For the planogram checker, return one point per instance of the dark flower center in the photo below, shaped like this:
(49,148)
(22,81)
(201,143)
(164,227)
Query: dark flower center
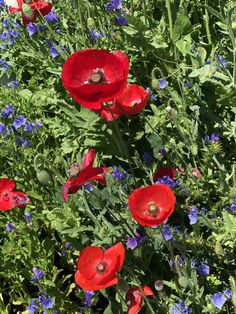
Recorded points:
(97,77)
(101,268)
(74,169)
(152,209)
(5,193)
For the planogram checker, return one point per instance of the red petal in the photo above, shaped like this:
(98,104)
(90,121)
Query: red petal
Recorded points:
(20,199)
(89,158)
(160,194)
(164,171)
(106,115)
(88,260)
(115,256)
(13,10)
(148,291)
(132,100)
(6,202)
(6,184)
(135,297)
(41,8)
(93,284)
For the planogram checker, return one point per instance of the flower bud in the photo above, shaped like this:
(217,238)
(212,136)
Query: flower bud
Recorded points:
(183,282)
(90,22)
(43,177)
(158,285)
(154,83)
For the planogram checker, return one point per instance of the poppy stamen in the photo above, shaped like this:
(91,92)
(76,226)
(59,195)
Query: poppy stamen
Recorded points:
(152,209)
(101,268)
(74,169)
(97,77)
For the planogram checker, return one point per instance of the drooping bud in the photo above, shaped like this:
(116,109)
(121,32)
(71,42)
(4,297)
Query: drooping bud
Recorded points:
(90,22)
(43,177)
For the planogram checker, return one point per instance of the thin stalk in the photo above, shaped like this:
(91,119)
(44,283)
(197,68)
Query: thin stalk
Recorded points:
(168,7)
(207,23)
(89,212)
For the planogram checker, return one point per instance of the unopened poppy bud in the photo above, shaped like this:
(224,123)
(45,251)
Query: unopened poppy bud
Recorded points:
(159,285)
(27,11)
(154,83)
(122,285)
(90,22)
(183,282)
(43,177)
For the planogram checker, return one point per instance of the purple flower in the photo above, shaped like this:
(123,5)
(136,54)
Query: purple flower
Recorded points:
(193,216)
(32,28)
(147,158)
(113,5)
(203,211)
(118,175)
(94,35)
(19,122)
(2,127)
(213,139)
(10,227)
(25,142)
(232,207)
(203,269)
(38,275)
(88,298)
(5,23)
(29,127)
(54,52)
(67,245)
(166,233)
(121,21)
(33,307)
(218,300)
(162,151)
(181,308)
(52,17)
(228,293)
(186,85)
(139,238)
(162,83)
(15,84)
(88,188)
(8,111)
(27,217)
(168,181)
(221,61)
(47,302)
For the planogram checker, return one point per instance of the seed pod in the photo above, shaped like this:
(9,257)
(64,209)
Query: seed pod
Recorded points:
(159,285)
(43,177)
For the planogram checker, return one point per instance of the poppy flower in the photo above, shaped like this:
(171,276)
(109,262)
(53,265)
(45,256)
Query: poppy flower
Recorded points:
(81,175)
(164,171)
(135,296)
(9,198)
(133,100)
(109,114)
(93,76)
(152,205)
(97,269)
(31,9)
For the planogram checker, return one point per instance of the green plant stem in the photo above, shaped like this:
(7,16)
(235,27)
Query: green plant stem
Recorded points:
(207,24)
(168,7)
(89,212)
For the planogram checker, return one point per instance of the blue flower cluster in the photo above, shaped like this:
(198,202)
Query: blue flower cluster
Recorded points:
(139,238)
(181,308)
(168,181)
(17,126)
(114,5)
(219,299)
(118,175)
(213,139)
(201,268)
(43,301)
(9,35)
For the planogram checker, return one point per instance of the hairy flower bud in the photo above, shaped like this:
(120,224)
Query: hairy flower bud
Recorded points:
(43,177)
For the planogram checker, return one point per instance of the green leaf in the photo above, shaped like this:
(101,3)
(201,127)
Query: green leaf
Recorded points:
(182,27)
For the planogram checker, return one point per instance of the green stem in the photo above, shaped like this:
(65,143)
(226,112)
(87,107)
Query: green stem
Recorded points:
(207,23)
(168,6)
(89,212)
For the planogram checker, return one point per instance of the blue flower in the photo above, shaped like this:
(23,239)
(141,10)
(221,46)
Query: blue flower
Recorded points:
(38,275)
(232,207)
(162,151)
(181,308)
(94,35)
(118,175)
(38,125)
(33,307)
(52,17)
(67,245)
(162,84)
(5,23)
(10,227)
(25,142)
(47,302)
(2,128)
(27,217)
(147,158)
(221,61)
(186,85)
(121,20)
(19,122)
(228,293)
(166,233)
(139,238)
(15,84)
(113,5)
(218,300)
(203,269)
(32,28)
(213,139)
(193,215)
(168,181)
(88,188)
(54,52)
(88,298)
(29,127)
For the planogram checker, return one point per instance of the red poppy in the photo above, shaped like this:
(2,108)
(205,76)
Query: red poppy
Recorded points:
(106,114)
(164,171)
(94,76)
(152,205)
(132,100)
(31,9)
(9,198)
(79,176)
(97,269)
(135,296)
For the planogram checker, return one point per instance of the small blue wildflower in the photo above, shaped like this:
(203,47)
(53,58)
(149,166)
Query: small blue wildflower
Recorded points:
(38,275)
(94,35)
(88,298)
(29,127)
(232,207)
(133,242)
(10,227)
(228,293)
(186,85)
(15,84)
(32,28)
(162,151)
(32,307)
(2,3)
(42,27)
(218,300)
(3,47)
(181,308)
(213,139)
(193,215)
(54,52)
(121,21)
(52,17)
(25,142)
(6,23)
(113,5)
(203,269)
(147,158)
(14,33)
(4,36)
(11,42)
(47,302)
(203,211)
(167,233)
(162,83)
(19,122)
(2,128)
(38,125)
(5,67)
(168,181)
(88,188)
(27,217)
(222,62)
(118,175)
(67,245)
